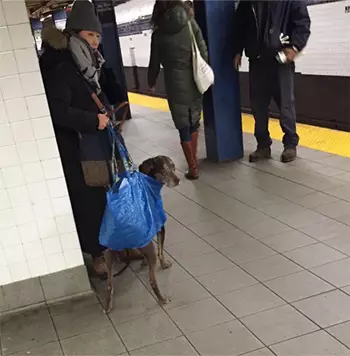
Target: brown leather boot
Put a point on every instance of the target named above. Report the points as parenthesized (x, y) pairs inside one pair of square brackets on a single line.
[(192, 173), (195, 144)]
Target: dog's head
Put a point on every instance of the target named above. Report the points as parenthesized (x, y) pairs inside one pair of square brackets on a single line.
[(162, 169)]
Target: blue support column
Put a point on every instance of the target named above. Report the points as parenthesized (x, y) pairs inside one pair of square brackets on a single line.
[(222, 111)]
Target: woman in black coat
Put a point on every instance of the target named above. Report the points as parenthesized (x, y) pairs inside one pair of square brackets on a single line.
[(71, 66)]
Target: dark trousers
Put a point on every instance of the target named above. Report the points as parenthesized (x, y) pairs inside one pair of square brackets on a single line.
[(186, 132), (271, 80)]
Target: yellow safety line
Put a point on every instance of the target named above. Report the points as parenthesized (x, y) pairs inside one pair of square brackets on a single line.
[(318, 138)]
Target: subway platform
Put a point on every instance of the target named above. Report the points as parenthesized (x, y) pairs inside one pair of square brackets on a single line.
[(261, 264)]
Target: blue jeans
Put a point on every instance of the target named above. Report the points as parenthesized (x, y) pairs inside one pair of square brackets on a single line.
[(186, 132)]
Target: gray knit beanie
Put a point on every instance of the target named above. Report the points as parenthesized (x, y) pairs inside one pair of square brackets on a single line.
[(83, 17)]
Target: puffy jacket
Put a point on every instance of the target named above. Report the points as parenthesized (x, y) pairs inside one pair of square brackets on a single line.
[(289, 17), (171, 47)]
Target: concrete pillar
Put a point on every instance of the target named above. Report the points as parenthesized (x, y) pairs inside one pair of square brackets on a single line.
[(222, 111)]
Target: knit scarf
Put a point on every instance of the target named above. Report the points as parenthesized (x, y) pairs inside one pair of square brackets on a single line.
[(89, 61)]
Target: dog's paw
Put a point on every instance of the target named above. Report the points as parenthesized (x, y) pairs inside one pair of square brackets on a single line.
[(165, 300), (165, 264)]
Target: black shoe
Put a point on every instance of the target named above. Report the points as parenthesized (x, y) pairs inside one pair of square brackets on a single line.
[(289, 154), (260, 154)]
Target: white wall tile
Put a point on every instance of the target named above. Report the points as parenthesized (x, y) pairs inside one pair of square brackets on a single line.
[(7, 64), (28, 152), (14, 254), (38, 192), (52, 246), (5, 41), (5, 275), (47, 228), (21, 36), (2, 258), (38, 267), (19, 271), (48, 148), (43, 210), (33, 172), (73, 258), (61, 206), (37, 106), (23, 214), (7, 219), (37, 228), (10, 237), (11, 87), (57, 188), (22, 131), (3, 114), (65, 224), (33, 250), (43, 128), (52, 168), (27, 60), (16, 110), (56, 263), (2, 20), (29, 232), (12, 176), (70, 241), (6, 137), (18, 196), (4, 200), (8, 156), (32, 83), (15, 12)]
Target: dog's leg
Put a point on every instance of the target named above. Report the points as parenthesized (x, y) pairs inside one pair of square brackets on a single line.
[(150, 254), (160, 239), (110, 259)]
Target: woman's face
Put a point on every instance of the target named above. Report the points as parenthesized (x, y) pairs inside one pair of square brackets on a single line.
[(92, 38)]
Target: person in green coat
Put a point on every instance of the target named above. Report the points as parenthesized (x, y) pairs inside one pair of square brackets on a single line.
[(171, 47)]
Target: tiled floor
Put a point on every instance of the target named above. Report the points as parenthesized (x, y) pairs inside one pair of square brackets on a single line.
[(261, 265)]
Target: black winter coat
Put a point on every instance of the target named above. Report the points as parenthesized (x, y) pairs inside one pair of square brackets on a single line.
[(289, 17), (73, 111), (171, 47)]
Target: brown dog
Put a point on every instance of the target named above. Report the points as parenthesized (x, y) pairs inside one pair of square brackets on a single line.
[(162, 169)]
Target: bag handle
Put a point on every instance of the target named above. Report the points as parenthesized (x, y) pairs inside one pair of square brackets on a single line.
[(103, 109), (123, 153), (193, 39)]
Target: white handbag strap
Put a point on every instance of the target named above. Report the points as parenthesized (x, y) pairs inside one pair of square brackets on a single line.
[(193, 38)]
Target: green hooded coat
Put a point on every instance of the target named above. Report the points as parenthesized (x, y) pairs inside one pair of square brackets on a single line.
[(171, 47)]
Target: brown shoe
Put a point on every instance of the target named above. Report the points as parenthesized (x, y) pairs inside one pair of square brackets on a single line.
[(289, 154), (192, 173), (260, 154)]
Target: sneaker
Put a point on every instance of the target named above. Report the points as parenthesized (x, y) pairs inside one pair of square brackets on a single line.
[(289, 154), (260, 154)]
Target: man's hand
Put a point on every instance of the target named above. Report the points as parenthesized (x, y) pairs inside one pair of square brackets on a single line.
[(238, 61), (290, 54)]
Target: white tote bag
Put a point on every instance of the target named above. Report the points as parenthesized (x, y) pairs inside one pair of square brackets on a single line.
[(202, 73)]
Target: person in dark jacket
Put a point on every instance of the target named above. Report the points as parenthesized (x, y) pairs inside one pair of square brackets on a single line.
[(272, 33), (72, 66), (171, 47)]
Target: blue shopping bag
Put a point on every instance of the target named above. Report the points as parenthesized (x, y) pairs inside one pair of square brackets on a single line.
[(134, 213)]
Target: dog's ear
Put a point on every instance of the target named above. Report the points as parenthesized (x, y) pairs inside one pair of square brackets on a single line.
[(147, 166)]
